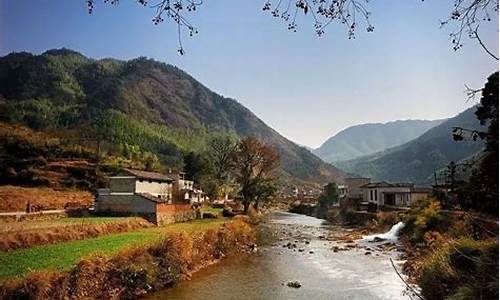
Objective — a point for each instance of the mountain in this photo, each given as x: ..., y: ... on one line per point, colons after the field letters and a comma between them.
x: 416, y: 161
x: 152, y: 105
x: 366, y: 139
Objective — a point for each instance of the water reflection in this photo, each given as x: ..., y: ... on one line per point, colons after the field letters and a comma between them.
x: 322, y: 273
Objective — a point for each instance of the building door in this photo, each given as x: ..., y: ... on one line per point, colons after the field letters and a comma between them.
x: 389, y: 199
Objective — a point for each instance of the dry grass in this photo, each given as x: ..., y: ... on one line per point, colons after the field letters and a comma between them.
x: 135, y: 271
x: 27, y: 234
x: 15, y: 198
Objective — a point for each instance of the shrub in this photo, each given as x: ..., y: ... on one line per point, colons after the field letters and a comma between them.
x: 424, y: 216
x: 464, y: 269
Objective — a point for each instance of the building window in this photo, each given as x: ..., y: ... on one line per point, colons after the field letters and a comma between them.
x: 375, y: 192
x: 371, y: 195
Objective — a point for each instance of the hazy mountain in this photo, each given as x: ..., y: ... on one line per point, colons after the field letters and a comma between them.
x: 365, y: 139
x: 416, y: 160
x: 142, y: 95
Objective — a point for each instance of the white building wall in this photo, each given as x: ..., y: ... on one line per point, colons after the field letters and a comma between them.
x: 162, y: 189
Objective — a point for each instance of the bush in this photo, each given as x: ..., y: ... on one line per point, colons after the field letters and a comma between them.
x: 424, y: 216
x: 464, y: 269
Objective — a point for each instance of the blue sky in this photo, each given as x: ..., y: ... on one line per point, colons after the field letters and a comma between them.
x: 305, y: 87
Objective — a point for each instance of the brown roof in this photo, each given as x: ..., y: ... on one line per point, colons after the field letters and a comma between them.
x: 151, y: 197
x: 148, y: 175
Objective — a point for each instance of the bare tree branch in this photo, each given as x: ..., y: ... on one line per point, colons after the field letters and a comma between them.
x: 475, y: 35
x: 469, y: 15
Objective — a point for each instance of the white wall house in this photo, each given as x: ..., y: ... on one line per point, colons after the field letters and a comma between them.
x: 392, y: 194
x: 185, y: 190
x: 148, y: 194
x: 133, y: 191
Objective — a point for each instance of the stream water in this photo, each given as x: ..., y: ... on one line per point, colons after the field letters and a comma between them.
x: 322, y: 273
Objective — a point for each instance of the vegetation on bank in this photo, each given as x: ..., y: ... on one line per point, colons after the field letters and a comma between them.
x: 451, y: 255
x: 26, y: 234
x: 63, y: 256
x: 158, y: 263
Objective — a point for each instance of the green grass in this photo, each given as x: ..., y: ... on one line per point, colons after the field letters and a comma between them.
x: 64, y: 256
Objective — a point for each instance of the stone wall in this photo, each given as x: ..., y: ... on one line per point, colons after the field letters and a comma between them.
x: 174, y: 213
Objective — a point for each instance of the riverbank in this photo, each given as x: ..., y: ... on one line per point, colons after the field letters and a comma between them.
x: 143, y: 263
x: 297, y: 260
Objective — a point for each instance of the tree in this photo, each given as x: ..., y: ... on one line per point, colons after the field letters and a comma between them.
x: 220, y: 151
x: 482, y: 191
x: 265, y: 189
x: 329, y: 196
x: 196, y: 166
x: 468, y: 15
x: 219, y: 155
x: 255, y: 164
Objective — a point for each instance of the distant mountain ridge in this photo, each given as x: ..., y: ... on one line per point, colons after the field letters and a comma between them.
x: 141, y: 94
x: 417, y: 160
x: 365, y: 139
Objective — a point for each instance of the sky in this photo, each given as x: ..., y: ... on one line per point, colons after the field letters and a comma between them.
x: 307, y: 88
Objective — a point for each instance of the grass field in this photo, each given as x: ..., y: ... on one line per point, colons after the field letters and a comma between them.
x: 212, y: 210
x: 63, y: 256
x: 21, y: 226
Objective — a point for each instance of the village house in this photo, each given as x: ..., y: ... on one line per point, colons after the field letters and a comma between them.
x: 351, y: 192
x: 392, y: 195
x: 185, y: 191
x: 149, y: 194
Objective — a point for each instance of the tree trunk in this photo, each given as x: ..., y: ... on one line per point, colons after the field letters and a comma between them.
x: 246, y: 204
x: 256, y: 205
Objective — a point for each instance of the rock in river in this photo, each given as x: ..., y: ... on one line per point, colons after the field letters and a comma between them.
x: 294, y: 284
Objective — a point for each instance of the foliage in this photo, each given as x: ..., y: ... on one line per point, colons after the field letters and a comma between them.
x: 40, y: 113
x: 461, y: 269
x: 255, y: 165
x: 482, y: 191
x: 423, y: 216
x: 108, y: 104
x: 329, y: 196
x: 196, y: 166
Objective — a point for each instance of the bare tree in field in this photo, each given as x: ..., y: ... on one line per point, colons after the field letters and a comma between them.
x: 220, y: 151
x: 466, y: 16
x: 255, y: 168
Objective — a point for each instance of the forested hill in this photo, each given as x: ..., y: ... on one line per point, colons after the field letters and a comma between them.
x: 140, y: 102
x: 366, y: 139
x: 416, y: 160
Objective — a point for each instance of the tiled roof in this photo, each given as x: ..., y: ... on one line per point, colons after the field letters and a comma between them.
x: 148, y: 175
x: 151, y: 197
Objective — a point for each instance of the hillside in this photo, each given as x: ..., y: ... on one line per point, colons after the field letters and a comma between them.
x: 141, y: 102
x: 416, y: 160
x: 366, y: 139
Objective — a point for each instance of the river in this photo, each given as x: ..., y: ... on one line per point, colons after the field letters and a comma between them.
x: 322, y: 273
